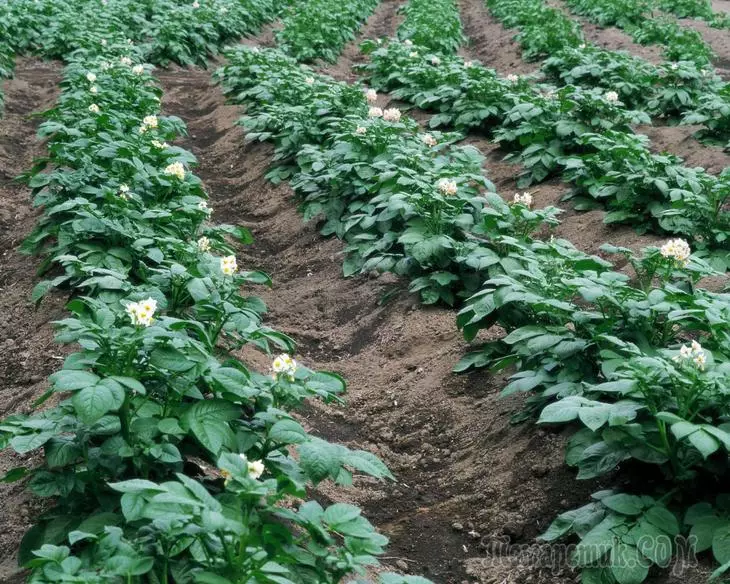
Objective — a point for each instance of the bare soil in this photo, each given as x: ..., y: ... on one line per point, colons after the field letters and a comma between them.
x: 28, y: 354
x: 471, y: 486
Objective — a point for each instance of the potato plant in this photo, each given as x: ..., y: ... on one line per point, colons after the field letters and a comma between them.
x: 434, y: 25
x: 320, y: 29
x: 163, y: 457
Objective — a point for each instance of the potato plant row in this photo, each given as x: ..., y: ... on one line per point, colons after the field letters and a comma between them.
x: 636, y: 17
x: 320, y: 29
x: 163, y: 457
x: 638, y: 363
x: 583, y: 133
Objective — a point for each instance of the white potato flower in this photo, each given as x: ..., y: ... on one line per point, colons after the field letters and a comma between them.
x: 371, y: 95
x: 138, y: 69
x: 582, y: 46
x: 94, y: 109
x: 435, y: 61
x: 204, y: 244
x: 126, y: 61
x: 468, y: 64
x: 159, y: 145
x: 91, y: 77
x: 103, y: 42
x: 150, y: 121
x: 228, y: 265
x: 141, y: 313
x: 512, y: 78
x: 428, y: 140
x: 255, y: 468
x: 523, y: 199
x: 392, y: 114
x: 361, y: 130
x: 694, y: 353
x: 447, y: 186
x: 203, y: 206
x: 676, y: 249
x: 413, y: 54
x: 611, y: 96
x: 408, y: 42
x: 674, y: 66
x: 94, y: 89
x: 284, y: 365
x: 196, y: 4
x: 375, y: 112
x: 176, y: 169
x: 309, y: 80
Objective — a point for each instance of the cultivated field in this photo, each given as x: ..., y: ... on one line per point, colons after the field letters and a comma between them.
x: 318, y: 291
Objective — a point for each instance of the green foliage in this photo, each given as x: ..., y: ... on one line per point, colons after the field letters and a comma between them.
x: 165, y: 458
x: 319, y: 29
x: 434, y: 25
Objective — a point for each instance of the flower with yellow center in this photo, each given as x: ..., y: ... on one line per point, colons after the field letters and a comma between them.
x: 228, y: 265
x: 94, y: 109
x: 677, y: 250
x: 159, y: 145
x: 284, y: 365
x: 175, y: 169
x: 141, y: 313
x: 255, y: 468
x: 692, y: 353
x: 447, y: 186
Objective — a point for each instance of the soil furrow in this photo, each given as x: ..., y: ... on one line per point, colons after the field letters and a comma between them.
x: 29, y: 354
x: 468, y: 480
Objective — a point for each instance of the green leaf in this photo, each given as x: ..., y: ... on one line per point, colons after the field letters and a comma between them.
x: 287, y: 432
x: 208, y: 420
x: 340, y: 513
x: 721, y: 544
x: 624, y: 504
x: 91, y: 403
x: 71, y: 380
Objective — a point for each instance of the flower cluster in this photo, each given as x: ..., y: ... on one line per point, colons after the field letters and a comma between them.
x: 176, y: 169
x: 138, y: 69
x: 94, y: 109
x: 371, y: 96
x: 512, y: 78
x: 141, y: 313
x: 694, y: 353
x: 611, y: 97
x: 228, y: 265
x: 284, y: 365
x: 435, y: 61
x: 203, y: 206
x: 148, y: 122
x: 375, y: 112
x: 361, y: 130
x: 447, y: 186
x: 677, y: 250
x: 91, y: 77
x: 159, y: 145
x: 309, y: 81
x: 204, y: 244
x: 392, y: 115
x: 123, y: 192
x: 126, y: 61
x: 523, y: 199
x: 428, y: 140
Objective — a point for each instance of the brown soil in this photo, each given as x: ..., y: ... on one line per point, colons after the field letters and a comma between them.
x: 718, y: 39
x: 29, y: 354
x: 468, y: 480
